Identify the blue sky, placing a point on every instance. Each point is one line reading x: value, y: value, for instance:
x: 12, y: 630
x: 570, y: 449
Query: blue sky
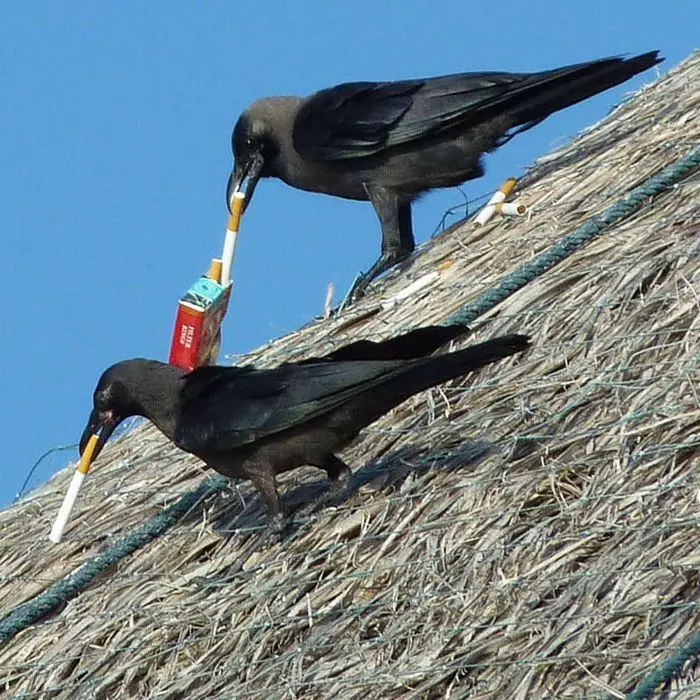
x: 115, y: 124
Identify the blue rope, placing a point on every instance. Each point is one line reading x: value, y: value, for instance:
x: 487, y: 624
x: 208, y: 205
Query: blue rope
x: 53, y: 450
x: 63, y: 591
x: 667, y: 671
x: 529, y: 271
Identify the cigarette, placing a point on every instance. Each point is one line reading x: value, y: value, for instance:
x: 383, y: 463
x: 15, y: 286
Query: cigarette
x: 234, y: 223
x: 215, y: 270
x: 488, y: 211
x: 328, y: 305
x: 416, y: 286
x: 72, y: 495
x: 511, y: 209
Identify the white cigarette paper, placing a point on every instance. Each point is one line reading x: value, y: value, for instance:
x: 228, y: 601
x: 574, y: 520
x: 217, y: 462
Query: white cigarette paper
x: 231, y: 237
x: 489, y: 210
x: 227, y: 256
x: 69, y: 501
x: 66, y: 507
x: 328, y: 304
x: 412, y: 288
x: 511, y: 209
x: 416, y: 286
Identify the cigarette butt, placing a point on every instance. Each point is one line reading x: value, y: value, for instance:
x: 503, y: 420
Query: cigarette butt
x: 412, y: 288
x: 511, y: 209
x: 73, y: 490
x: 507, y: 187
x: 215, y: 270
x: 490, y: 209
x: 419, y: 284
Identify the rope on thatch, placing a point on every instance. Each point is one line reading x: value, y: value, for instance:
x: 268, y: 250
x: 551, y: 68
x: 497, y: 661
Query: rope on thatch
x: 63, y: 591
x: 624, y: 207
x: 664, y: 674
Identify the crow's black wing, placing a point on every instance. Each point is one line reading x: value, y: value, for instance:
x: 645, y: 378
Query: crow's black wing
x: 351, y: 120
x: 226, y: 407
x: 419, y: 342
x: 356, y: 120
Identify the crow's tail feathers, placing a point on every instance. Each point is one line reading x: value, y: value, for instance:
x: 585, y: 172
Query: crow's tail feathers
x: 540, y: 94
x: 455, y: 364
x: 421, y: 374
x: 409, y: 346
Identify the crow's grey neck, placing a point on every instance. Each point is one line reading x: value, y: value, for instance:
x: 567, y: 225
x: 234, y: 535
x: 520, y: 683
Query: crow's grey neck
x: 278, y: 115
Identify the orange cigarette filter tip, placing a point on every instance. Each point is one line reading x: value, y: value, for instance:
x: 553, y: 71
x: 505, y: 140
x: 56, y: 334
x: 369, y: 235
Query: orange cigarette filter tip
x: 86, y: 459
x: 508, y: 186
x: 215, y: 270
x: 234, y: 220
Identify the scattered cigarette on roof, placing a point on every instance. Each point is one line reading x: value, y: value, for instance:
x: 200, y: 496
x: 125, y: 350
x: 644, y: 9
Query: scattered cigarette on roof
x: 416, y: 286
x: 495, y: 204
x: 328, y: 304
x: 510, y: 209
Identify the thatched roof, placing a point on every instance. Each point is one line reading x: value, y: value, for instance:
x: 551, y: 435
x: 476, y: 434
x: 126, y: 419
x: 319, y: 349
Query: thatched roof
x: 530, y: 531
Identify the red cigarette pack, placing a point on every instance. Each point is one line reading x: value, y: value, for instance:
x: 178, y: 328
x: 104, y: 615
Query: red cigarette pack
x: 197, y: 333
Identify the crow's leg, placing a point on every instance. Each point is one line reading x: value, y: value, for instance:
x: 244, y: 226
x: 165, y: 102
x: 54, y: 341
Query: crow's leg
x: 397, y: 234
x: 263, y: 479
x: 336, y: 469
x: 338, y: 472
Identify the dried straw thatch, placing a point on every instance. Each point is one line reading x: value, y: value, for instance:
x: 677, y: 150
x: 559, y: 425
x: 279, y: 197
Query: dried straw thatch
x: 527, y: 532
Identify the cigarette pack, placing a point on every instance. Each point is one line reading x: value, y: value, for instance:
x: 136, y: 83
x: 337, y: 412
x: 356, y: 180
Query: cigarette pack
x: 197, y: 333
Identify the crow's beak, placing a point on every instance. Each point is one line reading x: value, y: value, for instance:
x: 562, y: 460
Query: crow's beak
x: 105, y: 423
x: 249, y: 171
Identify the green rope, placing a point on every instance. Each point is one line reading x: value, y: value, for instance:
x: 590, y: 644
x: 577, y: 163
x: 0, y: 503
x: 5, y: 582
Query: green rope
x: 61, y: 592
x: 669, y: 669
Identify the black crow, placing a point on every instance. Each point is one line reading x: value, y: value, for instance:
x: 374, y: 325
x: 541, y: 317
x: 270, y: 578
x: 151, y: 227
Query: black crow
x: 391, y: 142
x: 249, y: 423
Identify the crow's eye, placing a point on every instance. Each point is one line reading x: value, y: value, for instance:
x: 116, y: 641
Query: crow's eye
x: 250, y: 142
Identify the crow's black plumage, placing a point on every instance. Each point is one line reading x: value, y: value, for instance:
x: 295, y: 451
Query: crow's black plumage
x: 391, y: 142
x: 256, y: 423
